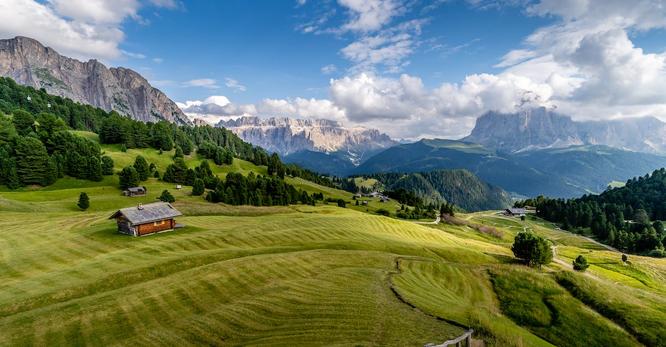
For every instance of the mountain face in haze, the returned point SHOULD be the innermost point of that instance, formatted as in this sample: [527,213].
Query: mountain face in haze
[560,172]
[541,128]
[29,63]
[288,136]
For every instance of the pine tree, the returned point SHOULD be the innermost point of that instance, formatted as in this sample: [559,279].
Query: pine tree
[128,177]
[84,201]
[198,187]
[32,162]
[142,168]
[107,165]
[23,122]
[179,152]
[167,197]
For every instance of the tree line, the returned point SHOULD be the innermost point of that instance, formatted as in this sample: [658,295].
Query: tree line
[40,149]
[628,218]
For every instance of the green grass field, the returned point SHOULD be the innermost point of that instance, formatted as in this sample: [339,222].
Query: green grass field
[287,275]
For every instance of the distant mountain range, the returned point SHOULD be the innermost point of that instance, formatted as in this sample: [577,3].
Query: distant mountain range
[29,63]
[541,128]
[307,139]
[566,172]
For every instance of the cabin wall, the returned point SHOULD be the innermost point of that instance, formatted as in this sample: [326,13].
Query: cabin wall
[153,227]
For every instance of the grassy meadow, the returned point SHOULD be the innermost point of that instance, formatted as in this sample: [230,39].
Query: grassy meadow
[288,275]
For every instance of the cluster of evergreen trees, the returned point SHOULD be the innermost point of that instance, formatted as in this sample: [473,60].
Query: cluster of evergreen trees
[39,149]
[237,189]
[628,218]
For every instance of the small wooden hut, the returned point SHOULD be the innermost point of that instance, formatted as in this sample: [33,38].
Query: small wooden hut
[146,219]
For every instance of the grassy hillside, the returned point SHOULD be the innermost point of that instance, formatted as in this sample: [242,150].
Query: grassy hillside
[290,275]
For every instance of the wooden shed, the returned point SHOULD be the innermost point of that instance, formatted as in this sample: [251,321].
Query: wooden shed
[135,191]
[146,219]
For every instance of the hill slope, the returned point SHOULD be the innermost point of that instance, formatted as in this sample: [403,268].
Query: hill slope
[459,187]
[565,172]
[290,275]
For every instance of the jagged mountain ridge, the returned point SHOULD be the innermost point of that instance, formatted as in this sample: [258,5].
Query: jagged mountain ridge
[288,136]
[30,63]
[541,128]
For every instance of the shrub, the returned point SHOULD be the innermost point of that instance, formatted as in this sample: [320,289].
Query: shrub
[342,203]
[167,197]
[624,258]
[580,264]
[84,201]
[535,250]
[383,212]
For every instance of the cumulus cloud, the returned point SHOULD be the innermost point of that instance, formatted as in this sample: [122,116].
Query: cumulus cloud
[81,29]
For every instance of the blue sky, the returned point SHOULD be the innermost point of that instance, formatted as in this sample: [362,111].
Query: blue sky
[412,68]
[259,44]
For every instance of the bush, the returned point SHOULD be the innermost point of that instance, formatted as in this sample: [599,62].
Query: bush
[383,212]
[167,197]
[580,264]
[624,258]
[84,201]
[535,250]
[657,253]
[342,203]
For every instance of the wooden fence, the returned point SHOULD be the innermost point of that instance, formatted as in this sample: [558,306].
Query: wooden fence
[467,337]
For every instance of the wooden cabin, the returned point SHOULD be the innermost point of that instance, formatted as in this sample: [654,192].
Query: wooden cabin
[146,219]
[135,191]
[515,212]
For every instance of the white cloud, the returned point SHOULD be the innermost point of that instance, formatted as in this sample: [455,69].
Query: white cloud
[234,84]
[170,4]
[133,55]
[329,69]
[158,60]
[370,15]
[96,11]
[202,83]
[80,29]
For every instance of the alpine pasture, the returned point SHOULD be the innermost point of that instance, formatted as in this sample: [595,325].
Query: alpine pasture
[289,275]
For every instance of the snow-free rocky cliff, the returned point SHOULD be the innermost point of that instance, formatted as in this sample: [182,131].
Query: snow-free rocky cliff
[540,128]
[29,63]
[287,136]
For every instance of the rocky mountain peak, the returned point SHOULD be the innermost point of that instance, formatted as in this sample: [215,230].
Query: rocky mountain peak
[288,135]
[543,128]
[30,63]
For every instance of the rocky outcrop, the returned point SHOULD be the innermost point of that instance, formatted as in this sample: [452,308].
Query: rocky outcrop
[541,128]
[29,63]
[286,136]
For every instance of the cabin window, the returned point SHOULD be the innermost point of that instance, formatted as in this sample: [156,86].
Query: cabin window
[158,223]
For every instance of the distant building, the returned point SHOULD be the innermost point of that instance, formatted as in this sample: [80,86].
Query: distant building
[515,212]
[146,219]
[135,191]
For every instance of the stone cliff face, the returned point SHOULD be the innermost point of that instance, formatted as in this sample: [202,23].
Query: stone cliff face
[29,63]
[540,128]
[286,135]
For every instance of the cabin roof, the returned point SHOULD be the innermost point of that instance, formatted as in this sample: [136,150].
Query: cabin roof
[517,210]
[136,189]
[148,213]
